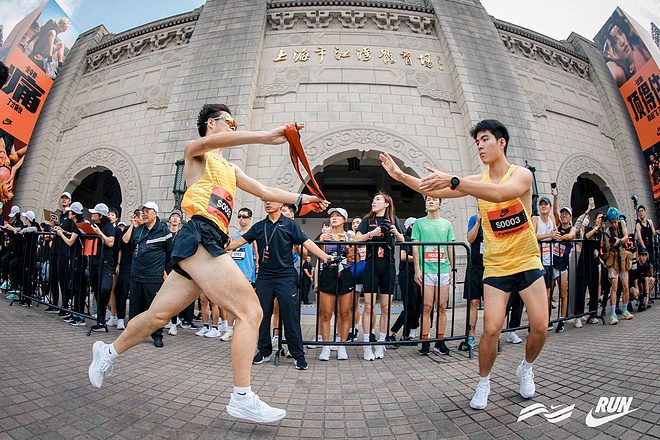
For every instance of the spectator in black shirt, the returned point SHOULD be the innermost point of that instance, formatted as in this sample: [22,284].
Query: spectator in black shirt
[21,268]
[113,215]
[411,292]
[13,245]
[59,263]
[70,235]
[152,244]
[102,264]
[276,236]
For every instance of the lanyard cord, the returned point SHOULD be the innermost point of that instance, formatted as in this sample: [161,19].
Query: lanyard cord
[266,238]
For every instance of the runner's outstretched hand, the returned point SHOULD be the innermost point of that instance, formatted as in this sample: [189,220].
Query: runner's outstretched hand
[276,136]
[435,181]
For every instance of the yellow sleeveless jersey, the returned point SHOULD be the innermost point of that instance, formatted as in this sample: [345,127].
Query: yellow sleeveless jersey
[213,195]
[510,244]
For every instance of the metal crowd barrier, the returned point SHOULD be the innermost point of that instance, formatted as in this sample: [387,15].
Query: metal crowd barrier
[35,281]
[395,259]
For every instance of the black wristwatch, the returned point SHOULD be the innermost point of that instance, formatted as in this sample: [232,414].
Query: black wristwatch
[455,181]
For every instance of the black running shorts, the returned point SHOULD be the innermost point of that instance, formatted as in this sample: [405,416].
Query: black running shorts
[521,280]
[198,230]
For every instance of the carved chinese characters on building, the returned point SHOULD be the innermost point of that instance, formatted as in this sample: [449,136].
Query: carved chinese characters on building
[362,54]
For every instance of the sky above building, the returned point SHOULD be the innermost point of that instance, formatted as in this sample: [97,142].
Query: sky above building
[554,18]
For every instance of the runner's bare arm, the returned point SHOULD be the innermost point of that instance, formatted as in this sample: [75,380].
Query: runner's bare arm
[236,243]
[246,183]
[414,183]
[198,147]
[517,185]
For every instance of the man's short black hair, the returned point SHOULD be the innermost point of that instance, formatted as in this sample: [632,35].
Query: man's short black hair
[291,207]
[641,207]
[495,127]
[247,210]
[209,111]
[4,73]
[113,210]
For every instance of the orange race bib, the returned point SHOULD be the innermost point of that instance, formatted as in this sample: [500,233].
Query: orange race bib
[431,255]
[221,205]
[508,221]
[362,250]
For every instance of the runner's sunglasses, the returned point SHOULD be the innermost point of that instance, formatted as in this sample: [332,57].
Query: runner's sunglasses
[229,120]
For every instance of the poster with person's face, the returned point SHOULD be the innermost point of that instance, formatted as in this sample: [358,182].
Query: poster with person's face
[633,62]
[34,53]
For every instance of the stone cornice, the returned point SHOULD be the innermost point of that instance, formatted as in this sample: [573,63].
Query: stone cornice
[409,5]
[112,39]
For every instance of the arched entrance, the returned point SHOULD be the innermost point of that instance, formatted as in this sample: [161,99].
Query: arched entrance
[584,188]
[99,187]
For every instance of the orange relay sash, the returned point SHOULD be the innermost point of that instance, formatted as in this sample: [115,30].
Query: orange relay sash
[298,155]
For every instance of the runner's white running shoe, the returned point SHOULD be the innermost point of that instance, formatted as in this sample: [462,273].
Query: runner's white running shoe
[100,365]
[252,408]
[527,387]
[480,399]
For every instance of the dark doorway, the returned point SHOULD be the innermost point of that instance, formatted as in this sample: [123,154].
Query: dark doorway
[583,189]
[99,187]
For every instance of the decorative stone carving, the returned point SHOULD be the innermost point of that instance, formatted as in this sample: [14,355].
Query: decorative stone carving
[538,105]
[282,20]
[317,19]
[535,47]
[277,89]
[158,103]
[579,164]
[121,165]
[438,95]
[387,21]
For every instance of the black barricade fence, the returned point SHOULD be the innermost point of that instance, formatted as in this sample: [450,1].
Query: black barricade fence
[66,280]
[358,273]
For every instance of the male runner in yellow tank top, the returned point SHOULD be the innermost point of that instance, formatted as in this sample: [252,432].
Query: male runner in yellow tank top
[200,263]
[511,254]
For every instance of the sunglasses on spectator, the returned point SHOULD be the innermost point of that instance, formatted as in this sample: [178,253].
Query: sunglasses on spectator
[242,216]
[229,120]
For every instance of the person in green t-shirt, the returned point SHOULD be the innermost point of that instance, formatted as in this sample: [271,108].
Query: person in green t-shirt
[436,273]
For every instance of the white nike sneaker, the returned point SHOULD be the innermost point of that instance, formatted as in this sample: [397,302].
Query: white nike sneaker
[227,336]
[325,353]
[203,331]
[527,387]
[480,399]
[100,365]
[252,408]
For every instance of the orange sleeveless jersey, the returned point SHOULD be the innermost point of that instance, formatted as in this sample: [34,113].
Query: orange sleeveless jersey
[510,244]
[213,195]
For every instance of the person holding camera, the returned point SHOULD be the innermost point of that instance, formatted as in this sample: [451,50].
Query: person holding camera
[381,225]
[435,273]
[618,261]
[561,252]
[546,230]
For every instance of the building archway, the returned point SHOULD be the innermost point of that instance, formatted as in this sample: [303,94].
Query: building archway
[99,187]
[585,187]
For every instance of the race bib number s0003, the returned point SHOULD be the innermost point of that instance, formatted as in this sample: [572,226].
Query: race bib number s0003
[508,221]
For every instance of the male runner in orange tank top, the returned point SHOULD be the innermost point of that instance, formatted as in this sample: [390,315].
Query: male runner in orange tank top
[200,263]
[504,194]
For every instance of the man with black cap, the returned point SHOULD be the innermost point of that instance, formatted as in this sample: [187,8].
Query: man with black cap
[152,247]
[102,265]
[60,259]
[560,253]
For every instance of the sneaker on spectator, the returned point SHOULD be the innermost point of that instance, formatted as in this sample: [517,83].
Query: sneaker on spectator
[560,327]
[550,326]
[51,309]
[318,338]
[301,364]
[213,333]
[101,365]
[593,321]
[12,296]
[62,313]
[527,387]
[341,353]
[426,349]
[513,338]
[325,353]
[260,359]
[392,338]
[379,351]
[628,315]
[68,318]
[223,327]
[168,325]
[413,333]
[173,331]
[372,337]
[578,323]
[335,347]
[368,353]
[228,335]
[613,320]
[5,285]
[253,409]
[480,399]
[203,331]
[189,325]
[441,348]
[120,324]
[112,321]
[77,322]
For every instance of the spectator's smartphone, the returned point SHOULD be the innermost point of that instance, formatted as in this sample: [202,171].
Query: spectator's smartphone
[592,204]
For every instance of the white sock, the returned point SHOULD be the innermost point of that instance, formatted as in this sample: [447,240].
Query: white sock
[484,380]
[112,353]
[526,365]
[223,322]
[230,327]
[241,393]
[381,338]
[366,337]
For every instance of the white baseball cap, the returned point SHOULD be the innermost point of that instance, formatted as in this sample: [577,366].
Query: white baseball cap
[76,207]
[29,215]
[15,210]
[149,205]
[100,208]
[409,222]
[340,211]
[66,194]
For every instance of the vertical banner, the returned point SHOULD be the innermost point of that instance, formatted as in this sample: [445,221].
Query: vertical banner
[33,53]
[633,60]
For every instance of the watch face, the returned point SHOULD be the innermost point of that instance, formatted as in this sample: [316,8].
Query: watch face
[455,181]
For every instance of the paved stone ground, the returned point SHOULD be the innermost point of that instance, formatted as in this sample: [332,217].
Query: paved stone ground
[180,391]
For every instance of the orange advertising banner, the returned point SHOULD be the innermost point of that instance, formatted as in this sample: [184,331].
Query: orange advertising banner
[633,60]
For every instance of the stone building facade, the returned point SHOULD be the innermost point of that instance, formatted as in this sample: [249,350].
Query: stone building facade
[408,77]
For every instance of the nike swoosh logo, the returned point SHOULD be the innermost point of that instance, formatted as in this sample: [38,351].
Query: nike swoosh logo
[594,422]
[553,406]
